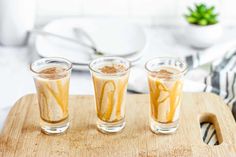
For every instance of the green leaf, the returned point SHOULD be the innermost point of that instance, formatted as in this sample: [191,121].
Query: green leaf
[202,22]
[214,15]
[210,10]
[191,19]
[212,21]
[195,14]
[207,16]
[196,5]
[202,9]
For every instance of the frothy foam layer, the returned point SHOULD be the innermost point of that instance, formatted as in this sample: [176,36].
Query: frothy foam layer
[112,68]
[165,72]
[54,72]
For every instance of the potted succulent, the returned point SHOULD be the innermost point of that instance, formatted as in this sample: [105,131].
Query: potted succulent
[203,28]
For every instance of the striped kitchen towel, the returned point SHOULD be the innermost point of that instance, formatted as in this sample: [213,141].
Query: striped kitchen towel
[219,79]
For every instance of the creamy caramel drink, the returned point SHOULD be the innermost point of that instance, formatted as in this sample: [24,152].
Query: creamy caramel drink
[165,79]
[52,77]
[110,79]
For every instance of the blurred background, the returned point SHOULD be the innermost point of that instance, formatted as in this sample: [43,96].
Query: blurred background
[154,12]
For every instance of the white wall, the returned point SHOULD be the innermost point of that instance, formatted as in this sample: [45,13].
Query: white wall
[156,11]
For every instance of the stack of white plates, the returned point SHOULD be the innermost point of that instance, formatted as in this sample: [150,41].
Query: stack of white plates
[112,37]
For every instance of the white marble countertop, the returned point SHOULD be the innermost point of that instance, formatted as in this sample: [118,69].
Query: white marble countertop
[16,80]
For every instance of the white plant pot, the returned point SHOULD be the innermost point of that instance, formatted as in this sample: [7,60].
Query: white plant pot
[203,36]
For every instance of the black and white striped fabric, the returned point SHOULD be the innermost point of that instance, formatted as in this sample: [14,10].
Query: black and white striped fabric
[221,81]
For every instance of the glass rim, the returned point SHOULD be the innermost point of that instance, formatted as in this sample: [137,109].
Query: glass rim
[181,72]
[110,58]
[51,58]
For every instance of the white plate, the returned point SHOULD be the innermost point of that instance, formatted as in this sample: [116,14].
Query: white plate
[113,37]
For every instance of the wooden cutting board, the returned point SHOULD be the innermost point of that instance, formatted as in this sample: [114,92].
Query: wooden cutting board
[21,134]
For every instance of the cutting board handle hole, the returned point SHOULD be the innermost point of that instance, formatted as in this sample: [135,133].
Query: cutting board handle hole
[209,122]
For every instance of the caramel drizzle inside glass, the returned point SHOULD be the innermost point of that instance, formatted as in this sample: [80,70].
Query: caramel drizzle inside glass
[60,95]
[174,94]
[100,98]
[108,97]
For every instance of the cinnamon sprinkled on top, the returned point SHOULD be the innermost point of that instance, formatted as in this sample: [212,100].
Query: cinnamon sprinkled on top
[53,73]
[112,69]
[166,73]
[52,70]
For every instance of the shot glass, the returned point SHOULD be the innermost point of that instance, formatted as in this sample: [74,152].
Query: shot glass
[52,79]
[110,79]
[165,79]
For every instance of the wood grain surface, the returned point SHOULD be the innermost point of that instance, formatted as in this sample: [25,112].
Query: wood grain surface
[21,135]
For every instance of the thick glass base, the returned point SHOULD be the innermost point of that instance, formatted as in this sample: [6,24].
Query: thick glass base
[54,128]
[107,128]
[163,128]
